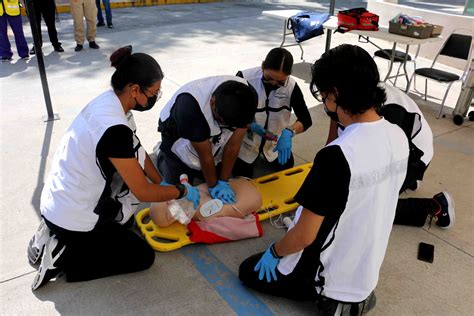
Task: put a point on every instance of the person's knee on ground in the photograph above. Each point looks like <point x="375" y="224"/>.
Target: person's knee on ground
<point x="248" y="200"/>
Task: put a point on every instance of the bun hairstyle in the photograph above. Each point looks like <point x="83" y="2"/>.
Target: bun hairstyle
<point x="133" y="68"/>
<point x="120" y="55"/>
<point x="350" y="73"/>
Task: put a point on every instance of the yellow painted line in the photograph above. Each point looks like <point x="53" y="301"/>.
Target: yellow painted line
<point x="143" y="3"/>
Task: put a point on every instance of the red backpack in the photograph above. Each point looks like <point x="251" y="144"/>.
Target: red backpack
<point x="357" y="19"/>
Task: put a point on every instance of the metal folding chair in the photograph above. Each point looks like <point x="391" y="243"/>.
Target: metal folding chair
<point x="457" y="45"/>
<point x="399" y="57"/>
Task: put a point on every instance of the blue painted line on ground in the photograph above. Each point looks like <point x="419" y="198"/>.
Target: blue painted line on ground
<point x="226" y="283"/>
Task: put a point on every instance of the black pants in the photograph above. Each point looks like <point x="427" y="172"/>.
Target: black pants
<point x="414" y="211"/>
<point x="107" y="250"/>
<point x="241" y="168"/>
<point x="171" y="169"/>
<point x="47" y="9"/>
<point x="294" y="287"/>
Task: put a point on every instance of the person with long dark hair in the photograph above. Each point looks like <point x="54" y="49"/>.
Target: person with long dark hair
<point x="333" y="251"/>
<point x="99" y="175"/>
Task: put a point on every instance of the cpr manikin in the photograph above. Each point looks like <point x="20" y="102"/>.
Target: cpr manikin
<point x="248" y="200"/>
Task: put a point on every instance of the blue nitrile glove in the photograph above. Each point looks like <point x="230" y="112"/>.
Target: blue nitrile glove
<point x="223" y="192"/>
<point x="284" y="146"/>
<point x="192" y="194"/>
<point x="267" y="264"/>
<point x="257" y="129"/>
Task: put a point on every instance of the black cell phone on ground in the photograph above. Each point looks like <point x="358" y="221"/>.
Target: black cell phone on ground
<point x="425" y="252"/>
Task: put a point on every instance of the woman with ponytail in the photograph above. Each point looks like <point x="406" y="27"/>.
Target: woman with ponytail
<point x="99" y="175"/>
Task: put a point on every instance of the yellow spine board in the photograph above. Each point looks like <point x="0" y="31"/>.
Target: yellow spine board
<point x="277" y="190"/>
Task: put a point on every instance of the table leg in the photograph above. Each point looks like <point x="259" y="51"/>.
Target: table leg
<point x="285" y="34"/>
<point x="392" y="58"/>
<point x="285" y="23"/>
<point x="405" y="64"/>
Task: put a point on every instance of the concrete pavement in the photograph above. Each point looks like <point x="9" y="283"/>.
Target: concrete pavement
<point x="189" y="42"/>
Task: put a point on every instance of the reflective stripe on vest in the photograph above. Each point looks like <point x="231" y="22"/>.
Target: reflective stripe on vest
<point x="12" y="7"/>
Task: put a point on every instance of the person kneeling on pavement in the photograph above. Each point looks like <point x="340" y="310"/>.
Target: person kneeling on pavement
<point x="333" y="253"/>
<point x="99" y="175"/>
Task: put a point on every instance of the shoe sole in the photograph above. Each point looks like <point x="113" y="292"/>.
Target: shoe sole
<point x="450" y="210"/>
<point x="47" y="265"/>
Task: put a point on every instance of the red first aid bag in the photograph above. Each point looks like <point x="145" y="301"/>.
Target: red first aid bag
<point x="357" y="19"/>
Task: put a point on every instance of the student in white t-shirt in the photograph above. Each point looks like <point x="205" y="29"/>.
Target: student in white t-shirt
<point x="401" y="110"/>
<point x="99" y="175"/>
<point x="333" y="253"/>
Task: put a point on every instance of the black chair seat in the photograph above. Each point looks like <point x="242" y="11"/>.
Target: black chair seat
<point x="387" y="53"/>
<point x="437" y="74"/>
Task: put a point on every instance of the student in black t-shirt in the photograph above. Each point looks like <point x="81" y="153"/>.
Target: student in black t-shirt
<point x="202" y="127"/>
<point x="99" y="175"/>
<point x="333" y="252"/>
<point x="278" y="96"/>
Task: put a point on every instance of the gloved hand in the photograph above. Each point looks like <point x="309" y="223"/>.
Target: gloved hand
<point x="257" y="129"/>
<point x="284" y="146"/>
<point x="267" y="264"/>
<point x="223" y="192"/>
<point x="192" y="194"/>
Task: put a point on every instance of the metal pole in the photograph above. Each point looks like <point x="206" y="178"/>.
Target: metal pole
<point x="39" y="56"/>
<point x="332" y="4"/>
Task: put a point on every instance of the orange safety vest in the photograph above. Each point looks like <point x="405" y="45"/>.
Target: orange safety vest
<point x="10" y="7"/>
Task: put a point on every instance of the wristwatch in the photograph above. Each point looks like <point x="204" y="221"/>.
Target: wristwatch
<point x="274" y="253"/>
<point x="182" y="190"/>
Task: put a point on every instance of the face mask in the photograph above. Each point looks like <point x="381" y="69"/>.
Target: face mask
<point x="148" y="106"/>
<point x="332" y="115"/>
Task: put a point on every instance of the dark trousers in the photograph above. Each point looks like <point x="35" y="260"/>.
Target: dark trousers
<point x="171" y="169"/>
<point x="414" y="211"/>
<point x="108" y="11"/>
<point x="244" y="169"/>
<point x="107" y="250"/>
<point x="47" y="9"/>
<point x="20" y="41"/>
<point x="295" y="287"/>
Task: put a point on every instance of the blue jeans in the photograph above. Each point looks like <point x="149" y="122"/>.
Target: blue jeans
<point x="108" y="11"/>
<point x="20" y="41"/>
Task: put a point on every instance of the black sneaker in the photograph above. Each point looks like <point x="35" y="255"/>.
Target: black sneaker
<point x="93" y="45"/>
<point x="110" y="25"/>
<point x="369" y="303"/>
<point x="445" y="213"/>
<point x="78" y="48"/>
<point x="5" y="59"/>
<point x="49" y="268"/>
<point x="100" y="24"/>
<point x="37" y="242"/>
<point x="32" y="51"/>
<point x="58" y="48"/>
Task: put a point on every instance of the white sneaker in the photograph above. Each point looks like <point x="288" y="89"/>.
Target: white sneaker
<point x="48" y="270"/>
<point x="37" y="242"/>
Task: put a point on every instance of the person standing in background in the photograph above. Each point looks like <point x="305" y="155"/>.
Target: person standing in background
<point x="47" y="9"/>
<point x="108" y="13"/>
<point x="10" y="14"/>
<point x="81" y="9"/>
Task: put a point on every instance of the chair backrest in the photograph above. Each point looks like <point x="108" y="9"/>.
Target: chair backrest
<point x="457" y="46"/>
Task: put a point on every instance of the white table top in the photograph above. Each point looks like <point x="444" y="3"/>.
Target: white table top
<point x="383" y="34"/>
<point x="282" y="14"/>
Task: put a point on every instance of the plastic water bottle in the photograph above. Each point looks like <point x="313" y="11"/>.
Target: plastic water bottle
<point x="182" y="210"/>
